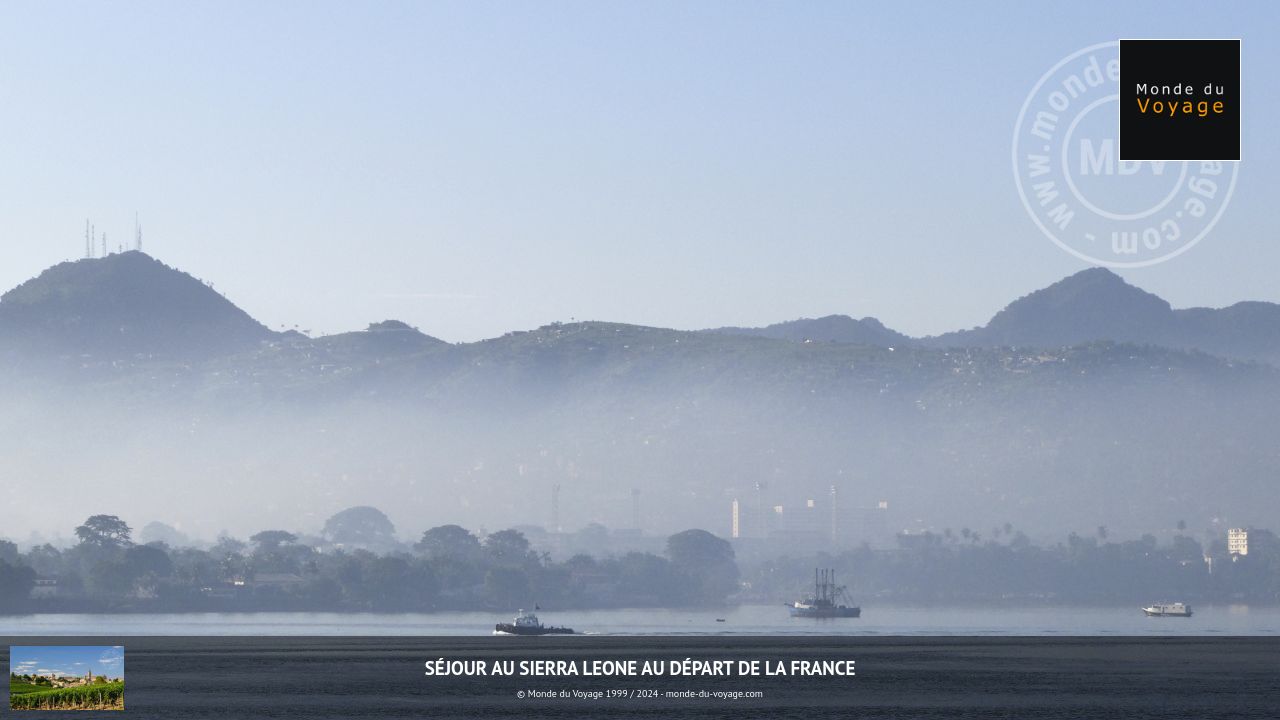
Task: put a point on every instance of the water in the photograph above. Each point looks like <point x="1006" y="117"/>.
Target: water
<point x="1221" y="620"/>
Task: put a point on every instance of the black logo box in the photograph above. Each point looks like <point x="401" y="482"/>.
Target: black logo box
<point x="1185" y="67"/>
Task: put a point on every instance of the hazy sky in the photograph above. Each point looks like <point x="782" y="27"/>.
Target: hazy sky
<point x="473" y="168"/>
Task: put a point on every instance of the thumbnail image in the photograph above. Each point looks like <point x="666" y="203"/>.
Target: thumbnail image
<point x="66" y="677"/>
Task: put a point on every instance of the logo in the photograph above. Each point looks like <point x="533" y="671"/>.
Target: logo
<point x="1180" y="99"/>
<point x="1082" y="196"/>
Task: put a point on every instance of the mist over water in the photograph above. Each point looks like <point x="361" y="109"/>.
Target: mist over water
<point x="741" y="620"/>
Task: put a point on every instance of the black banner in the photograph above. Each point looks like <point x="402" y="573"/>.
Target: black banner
<point x="694" y="677"/>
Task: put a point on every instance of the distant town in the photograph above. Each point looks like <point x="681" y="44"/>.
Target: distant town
<point x="54" y="680"/>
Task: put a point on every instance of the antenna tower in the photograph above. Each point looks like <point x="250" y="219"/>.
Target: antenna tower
<point x="555" y="508"/>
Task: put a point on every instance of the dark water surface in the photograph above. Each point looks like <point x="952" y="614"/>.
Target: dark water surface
<point x="939" y="677"/>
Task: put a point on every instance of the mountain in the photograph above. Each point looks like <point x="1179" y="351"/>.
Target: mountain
<point x="831" y="328"/>
<point x="1091" y="305"/>
<point x="122" y="306"/>
<point x="1097" y="305"/>
<point x="1094" y="305"/>
<point x="1007" y="423"/>
<point x="1249" y="330"/>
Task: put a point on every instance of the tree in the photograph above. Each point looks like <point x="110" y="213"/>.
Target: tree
<point x="698" y="548"/>
<point x="109" y="578"/>
<point x="507" y="587"/>
<point x="270" y="540"/>
<point x="508" y="547"/>
<point x="227" y="545"/>
<point x="395" y="583"/>
<point x="706" y="561"/>
<point x="45" y="559"/>
<point x="228" y="555"/>
<point x="105" y="531"/>
<point x="1186" y="549"/>
<point x="646" y="579"/>
<point x="363" y="526"/>
<point x="147" y="562"/>
<point x="277" y="551"/>
<point x="16" y="582"/>
<point x="159" y="532"/>
<point x="8" y="552"/>
<point x="582" y="563"/>
<point x="448" y="541"/>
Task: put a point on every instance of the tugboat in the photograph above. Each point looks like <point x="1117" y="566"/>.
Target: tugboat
<point x="526" y="623"/>
<point x="825" y="602"/>
<point x="1168" y="610"/>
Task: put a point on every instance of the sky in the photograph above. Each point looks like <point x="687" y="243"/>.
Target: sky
<point x="67" y="660"/>
<point x="474" y="168"/>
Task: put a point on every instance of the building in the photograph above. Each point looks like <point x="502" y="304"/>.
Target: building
<point x="1238" y="541"/>
<point x="44" y="588"/>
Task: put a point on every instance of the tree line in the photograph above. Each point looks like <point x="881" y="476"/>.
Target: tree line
<point x="963" y="567"/>
<point x="356" y="564"/>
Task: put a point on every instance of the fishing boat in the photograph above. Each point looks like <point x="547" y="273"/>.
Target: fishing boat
<point x="526" y="623"/>
<point x="1167" y="610"/>
<point x="827" y="601"/>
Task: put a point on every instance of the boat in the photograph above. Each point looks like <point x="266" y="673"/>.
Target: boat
<point x="1167" y="610"/>
<point x="526" y="623"/>
<point x="827" y="601"/>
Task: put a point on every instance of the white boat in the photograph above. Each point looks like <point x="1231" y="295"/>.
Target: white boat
<point x="526" y="623"/>
<point x="1168" y="610"/>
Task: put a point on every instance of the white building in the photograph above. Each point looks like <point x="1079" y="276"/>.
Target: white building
<point x="1238" y="541"/>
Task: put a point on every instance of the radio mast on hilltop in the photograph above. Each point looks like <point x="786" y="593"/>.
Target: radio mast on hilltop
<point x="137" y="233"/>
<point x="88" y="240"/>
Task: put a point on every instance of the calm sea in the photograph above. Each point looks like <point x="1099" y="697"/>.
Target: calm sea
<point x="743" y="620"/>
